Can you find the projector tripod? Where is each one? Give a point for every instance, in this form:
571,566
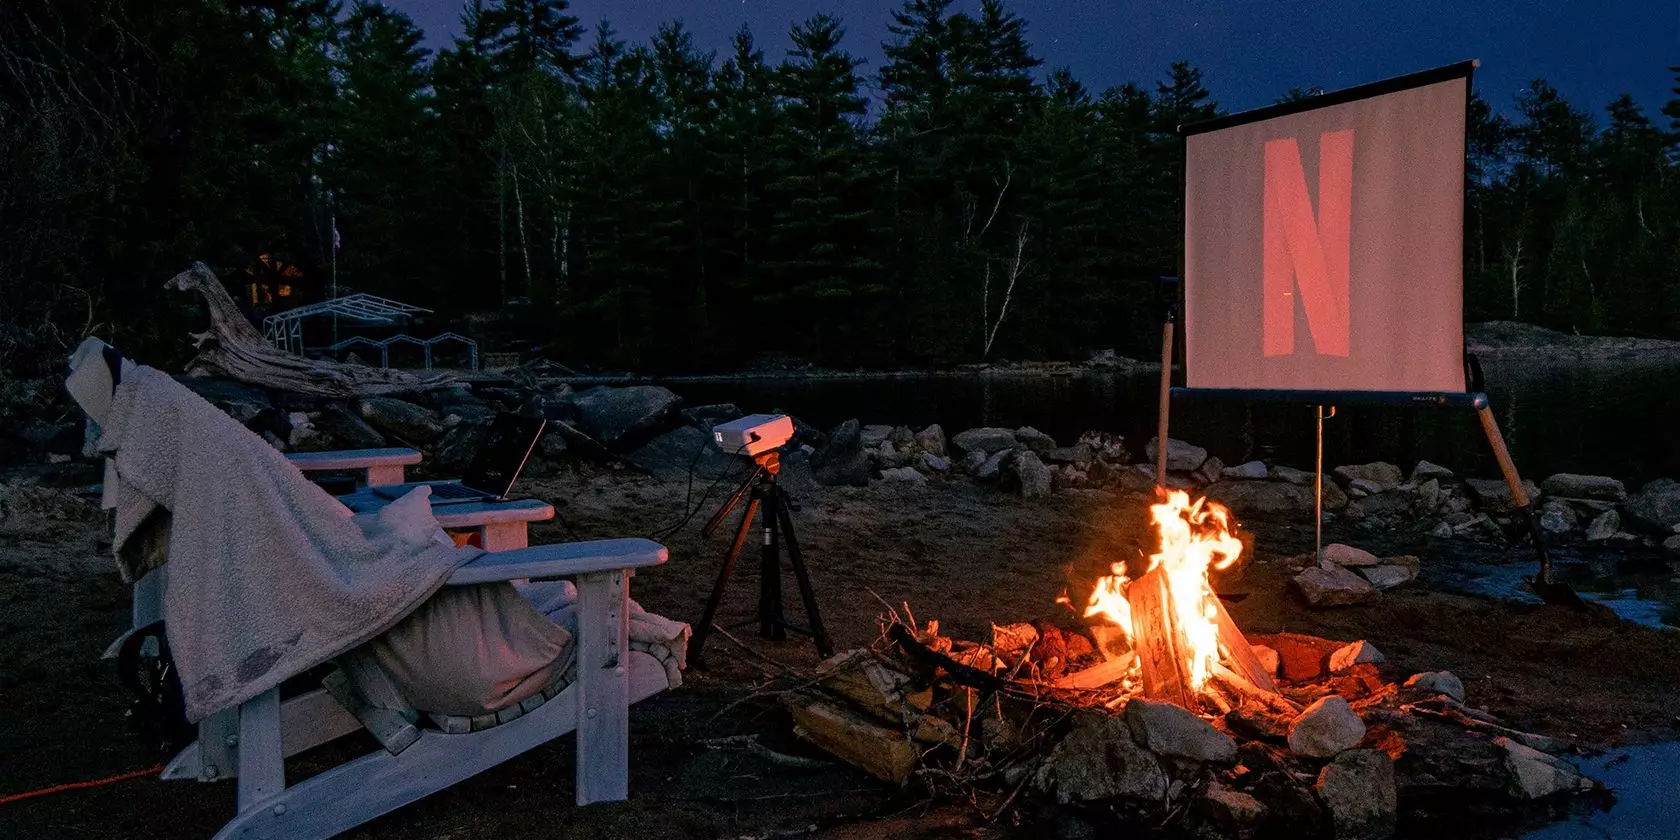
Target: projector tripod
765,493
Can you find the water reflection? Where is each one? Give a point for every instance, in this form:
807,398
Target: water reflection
1646,781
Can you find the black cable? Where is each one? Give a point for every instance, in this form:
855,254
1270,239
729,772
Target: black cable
688,496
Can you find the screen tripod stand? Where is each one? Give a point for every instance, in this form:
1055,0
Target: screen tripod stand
763,491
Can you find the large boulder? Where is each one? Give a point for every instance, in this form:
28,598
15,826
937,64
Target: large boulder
1253,470
1656,506
682,452
993,466
621,417
875,434
1333,586
1034,439
1100,761
400,419
1325,728
1536,775
931,440
1079,455
1575,486
1604,526
1181,456
1380,475
1262,498
348,428
841,460
1425,471
988,439
1494,495
1031,475
1359,792
1170,729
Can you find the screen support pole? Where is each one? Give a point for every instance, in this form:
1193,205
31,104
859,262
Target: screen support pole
1318,484
1166,400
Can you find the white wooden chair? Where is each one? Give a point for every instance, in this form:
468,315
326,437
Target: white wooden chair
379,466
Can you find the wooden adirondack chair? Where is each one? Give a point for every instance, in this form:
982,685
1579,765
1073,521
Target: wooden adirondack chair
250,743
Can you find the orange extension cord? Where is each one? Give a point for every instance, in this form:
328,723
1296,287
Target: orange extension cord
150,771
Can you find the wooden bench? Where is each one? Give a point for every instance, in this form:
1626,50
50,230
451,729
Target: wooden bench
383,466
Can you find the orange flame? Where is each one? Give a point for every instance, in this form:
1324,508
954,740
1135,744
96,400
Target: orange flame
1195,537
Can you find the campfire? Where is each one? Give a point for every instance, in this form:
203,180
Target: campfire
1158,708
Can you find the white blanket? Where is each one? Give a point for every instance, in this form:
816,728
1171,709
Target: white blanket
269,576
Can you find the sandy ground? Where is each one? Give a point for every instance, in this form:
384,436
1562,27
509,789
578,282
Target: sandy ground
953,551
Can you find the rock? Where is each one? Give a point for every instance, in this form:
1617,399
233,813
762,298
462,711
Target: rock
1672,545
455,452
671,455
1210,471
1355,653
1584,487
931,440
1033,476
268,437
1429,494
1438,682
1387,509
1268,658
1381,475
1236,814
1078,455
1325,728
1359,791
620,417
1068,477
988,439
994,465
1334,587
1099,761
1170,729
1425,471
1656,506
1180,455
1604,526
308,439
1536,775
400,419
1334,497
1347,555
1252,470
875,434
1300,478
350,430
1262,498
1034,439
1558,518
712,414
1494,496
903,475
552,445
1441,531
1108,447
903,438
887,456
973,461
1362,487
1395,571
1138,478
240,401
841,459
933,462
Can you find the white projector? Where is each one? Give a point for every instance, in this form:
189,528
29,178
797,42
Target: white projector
754,434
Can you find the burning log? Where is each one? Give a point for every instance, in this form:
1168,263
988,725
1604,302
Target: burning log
1160,642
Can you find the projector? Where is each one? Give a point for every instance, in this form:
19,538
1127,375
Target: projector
754,434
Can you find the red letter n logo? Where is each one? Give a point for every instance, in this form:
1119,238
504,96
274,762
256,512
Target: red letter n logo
1315,253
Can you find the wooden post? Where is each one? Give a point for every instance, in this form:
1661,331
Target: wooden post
1166,400
1160,649
1485,413
262,762
603,686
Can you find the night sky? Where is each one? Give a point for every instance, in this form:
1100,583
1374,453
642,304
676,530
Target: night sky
1250,51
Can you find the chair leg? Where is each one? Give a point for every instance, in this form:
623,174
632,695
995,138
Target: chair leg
603,682
262,763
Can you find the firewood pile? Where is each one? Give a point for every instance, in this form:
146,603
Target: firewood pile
1041,723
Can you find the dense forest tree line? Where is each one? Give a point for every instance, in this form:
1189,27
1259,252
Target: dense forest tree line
665,208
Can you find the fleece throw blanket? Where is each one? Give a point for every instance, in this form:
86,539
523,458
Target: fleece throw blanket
269,576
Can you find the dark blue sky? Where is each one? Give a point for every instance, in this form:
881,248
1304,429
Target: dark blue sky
1249,50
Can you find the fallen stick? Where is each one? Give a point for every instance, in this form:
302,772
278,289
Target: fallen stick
1098,676
750,744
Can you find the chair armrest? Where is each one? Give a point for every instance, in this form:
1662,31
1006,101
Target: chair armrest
354,459
560,560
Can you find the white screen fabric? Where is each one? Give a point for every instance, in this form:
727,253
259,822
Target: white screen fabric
1324,248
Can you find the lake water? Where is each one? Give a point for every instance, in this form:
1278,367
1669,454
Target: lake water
1612,419
1646,782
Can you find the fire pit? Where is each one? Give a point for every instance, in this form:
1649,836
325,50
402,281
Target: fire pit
1159,711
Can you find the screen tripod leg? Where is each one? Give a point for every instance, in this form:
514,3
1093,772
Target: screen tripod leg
825,648
704,629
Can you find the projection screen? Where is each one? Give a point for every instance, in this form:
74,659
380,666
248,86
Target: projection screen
1323,242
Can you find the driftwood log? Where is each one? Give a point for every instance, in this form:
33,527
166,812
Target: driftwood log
233,348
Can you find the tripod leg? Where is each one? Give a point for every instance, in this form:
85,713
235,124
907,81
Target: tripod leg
704,629
825,648
772,622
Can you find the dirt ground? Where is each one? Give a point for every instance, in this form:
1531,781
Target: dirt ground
952,551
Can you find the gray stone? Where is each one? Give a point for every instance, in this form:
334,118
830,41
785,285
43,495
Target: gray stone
270,438
1425,470
1442,531
1262,498
972,462
1656,506
875,434
887,456
1361,487
712,414
1107,446
1536,775
1250,470
240,401
1210,471
1347,555
1138,478
1234,812
994,464
841,459
1079,455
1032,476
670,455
1438,682
931,440
1391,573
1604,526
903,475
1100,761
1180,455
552,445
1584,487
1429,494
935,463
620,417
1387,509
902,437
1325,728
1559,518
1672,545
455,452
350,430
1300,478
1170,729
1494,496
1381,475
1355,653
1334,587
1359,792
402,420
988,439
1034,439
